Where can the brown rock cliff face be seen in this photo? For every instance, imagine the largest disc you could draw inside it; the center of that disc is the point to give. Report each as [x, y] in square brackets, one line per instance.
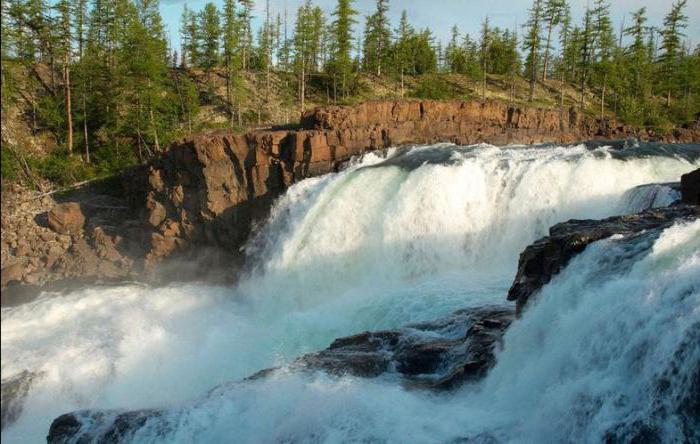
[210, 189]
[205, 194]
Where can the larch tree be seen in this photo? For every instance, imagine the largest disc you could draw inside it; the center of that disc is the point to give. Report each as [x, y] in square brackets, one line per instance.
[604, 47]
[230, 35]
[341, 32]
[377, 42]
[245, 30]
[671, 34]
[532, 44]
[66, 47]
[210, 27]
[484, 46]
[553, 14]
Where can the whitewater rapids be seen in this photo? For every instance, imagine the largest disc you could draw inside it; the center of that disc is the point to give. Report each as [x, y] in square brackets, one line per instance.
[406, 237]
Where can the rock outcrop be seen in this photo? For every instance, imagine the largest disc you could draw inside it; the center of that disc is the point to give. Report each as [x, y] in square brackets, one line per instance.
[690, 187]
[434, 355]
[437, 354]
[546, 257]
[66, 218]
[190, 210]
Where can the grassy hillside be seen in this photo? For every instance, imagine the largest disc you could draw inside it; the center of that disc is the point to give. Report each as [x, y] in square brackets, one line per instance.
[33, 153]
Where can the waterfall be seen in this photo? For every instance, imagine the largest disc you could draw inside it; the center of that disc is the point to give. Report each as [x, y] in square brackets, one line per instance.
[403, 237]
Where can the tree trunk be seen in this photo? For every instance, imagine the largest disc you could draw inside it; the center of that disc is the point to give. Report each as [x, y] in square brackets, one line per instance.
[69, 112]
[229, 95]
[533, 75]
[155, 130]
[85, 131]
[302, 93]
[138, 129]
[546, 51]
[602, 97]
[33, 114]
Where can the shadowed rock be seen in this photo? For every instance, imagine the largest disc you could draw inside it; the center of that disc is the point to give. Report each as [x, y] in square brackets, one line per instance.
[436, 354]
[14, 391]
[543, 259]
[690, 187]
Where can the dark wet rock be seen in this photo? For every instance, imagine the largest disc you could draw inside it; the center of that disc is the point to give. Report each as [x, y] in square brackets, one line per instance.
[100, 427]
[543, 259]
[64, 428]
[436, 354]
[432, 355]
[14, 391]
[690, 187]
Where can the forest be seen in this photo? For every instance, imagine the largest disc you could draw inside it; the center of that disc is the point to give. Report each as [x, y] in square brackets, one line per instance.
[103, 78]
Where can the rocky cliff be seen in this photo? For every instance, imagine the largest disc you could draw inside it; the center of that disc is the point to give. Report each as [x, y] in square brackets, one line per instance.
[204, 195]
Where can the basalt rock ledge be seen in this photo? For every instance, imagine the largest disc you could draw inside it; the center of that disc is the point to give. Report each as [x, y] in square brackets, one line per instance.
[546, 257]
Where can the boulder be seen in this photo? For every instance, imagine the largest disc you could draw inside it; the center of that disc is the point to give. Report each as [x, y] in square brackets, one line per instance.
[438, 354]
[11, 273]
[66, 218]
[690, 187]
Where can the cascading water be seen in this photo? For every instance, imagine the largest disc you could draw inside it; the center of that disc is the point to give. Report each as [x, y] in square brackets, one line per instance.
[388, 241]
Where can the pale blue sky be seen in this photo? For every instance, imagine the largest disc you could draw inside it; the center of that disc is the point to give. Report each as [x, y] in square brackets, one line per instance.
[441, 15]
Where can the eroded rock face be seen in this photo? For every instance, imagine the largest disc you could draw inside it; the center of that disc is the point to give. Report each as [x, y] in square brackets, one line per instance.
[432, 355]
[543, 259]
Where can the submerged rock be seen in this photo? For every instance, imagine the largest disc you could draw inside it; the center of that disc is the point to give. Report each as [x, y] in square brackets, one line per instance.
[543, 259]
[14, 391]
[436, 354]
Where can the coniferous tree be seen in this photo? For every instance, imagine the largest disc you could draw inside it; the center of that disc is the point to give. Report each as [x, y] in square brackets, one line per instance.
[377, 43]
[211, 35]
[604, 47]
[303, 47]
[587, 46]
[245, 30]
[230, 34]
[532, 44]
[402, 48]
[671, 35]
[64, 42]
[190, 36]
[485, 45]
[553, 14]
[340, 65]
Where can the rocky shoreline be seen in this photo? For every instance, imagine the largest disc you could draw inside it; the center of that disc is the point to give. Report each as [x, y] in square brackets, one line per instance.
[192, 209]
